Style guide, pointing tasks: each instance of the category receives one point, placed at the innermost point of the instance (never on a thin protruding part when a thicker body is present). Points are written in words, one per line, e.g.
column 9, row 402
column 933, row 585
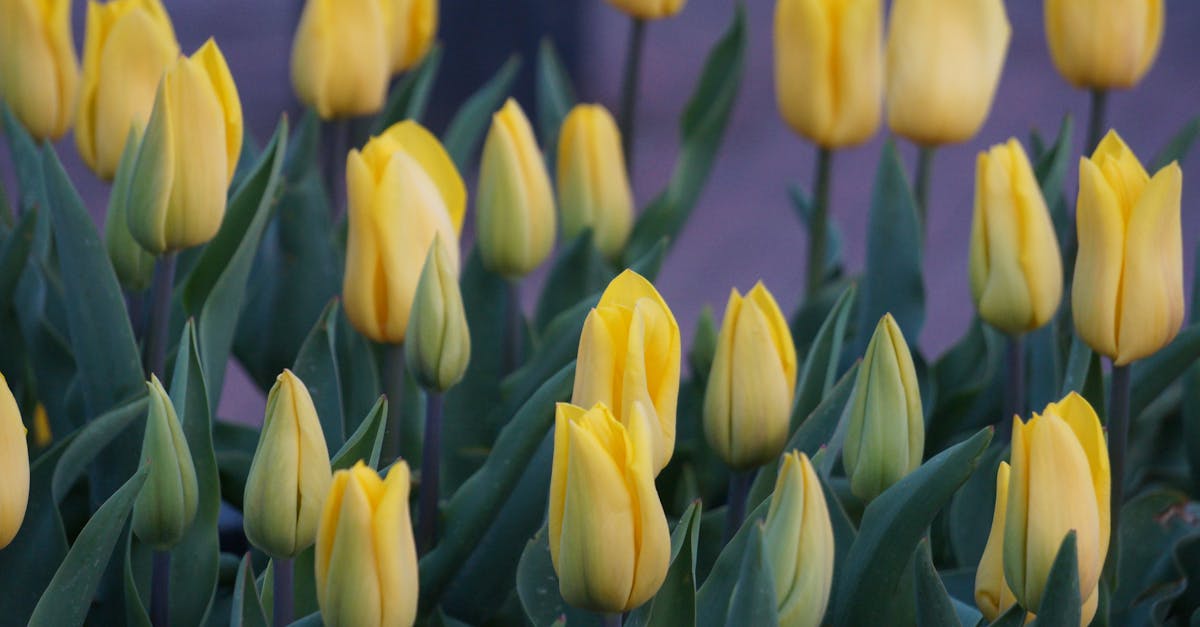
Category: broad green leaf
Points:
column 1152, row 525
column 1060, row 598
column 25, row 160
column 555, row 96
column 812, row 312
column 675, row 601
column 1180, row 145
column 474, row 117
column 963, row 377
column 934, row 606
column 714, row 597
column 821, row 363
column 316, row 365
column 138, row 566
column 91, row 440
column 410, row 96
column 753, row 599
column 247, row 606
column 1152, row 375
column 234, row 445
column 365, row 443
column 1014, row 617
column 358, row 372
column 1078, row 362
column 579, row 270
column 1045, row 366
column 1051, row 166
column 971, row 509
column 14, row 250
column 537, row 587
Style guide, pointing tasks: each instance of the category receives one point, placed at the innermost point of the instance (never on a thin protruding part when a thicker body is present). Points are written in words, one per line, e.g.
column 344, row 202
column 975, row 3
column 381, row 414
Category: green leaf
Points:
column 138, row 566
column 675, row 601
column 753, row 601
column 1153, row 524
column 1014, row 617
column 1152, row 375
column 25, row 160
column 555, row 97
column 821, row 363
column 91, row 440
column 833, row 236
column 1051, row 166
column 715, row 596
column 234, row 445
column 934, row 606
column 69, row 596
column 537, row 587
column 971, row 510
column 360, row 385
column 474, row 117
column 247, row 606
column 1060, row 598
column 963, row 377
column 14, row 250
column 1180, row 145
column 366, row 442
column 891, row 527
column 410, row 96
column 316, row 365
column 1078, row 362
column 579, row 270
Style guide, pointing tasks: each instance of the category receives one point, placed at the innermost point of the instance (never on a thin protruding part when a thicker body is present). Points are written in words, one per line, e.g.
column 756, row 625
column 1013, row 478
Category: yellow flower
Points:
column 748, row 401
column 42, row 436
column 290, row 475
column 829, row 68
column 1104, row 43
column 944, row 59
column 166, row 506
column 366, row 561
column 992, row 594
column 38, row 71
column 340, row 57
column 438, row 349
column 800, row 538
column 14, row 466
column 886, row 438
column 1015, row 267
column 515, row 211
column 410, row 27
column 127, row 47
column 649, row 9
column 1128, row 288
column 593, row 187
column 609, row 540
column 402, row 189
column 629, row 353
column 1059, row 483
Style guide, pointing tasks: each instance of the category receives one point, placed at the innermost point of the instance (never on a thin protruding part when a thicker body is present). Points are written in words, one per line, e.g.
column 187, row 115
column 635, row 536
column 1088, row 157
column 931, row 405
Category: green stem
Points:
column 921, row 191
column 735, row 507
column 155, row 357
column 1015, row 396
column 1118, row 439
column 818, row 228
column 394, row 384
column 430, row 471
column 1097, row 119
column 283, row 592
column 629, row 86
column 160, row 590
column 514, row 322
column 337, row 146
column 611, row 620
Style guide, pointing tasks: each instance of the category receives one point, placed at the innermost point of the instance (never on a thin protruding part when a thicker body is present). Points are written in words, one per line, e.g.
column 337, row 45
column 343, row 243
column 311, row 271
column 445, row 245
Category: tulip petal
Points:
column 351, row 594
column 14, row 464
column 424, row 147
column 1083, row 421
column 213, row 62
column 992, row 594
column 395, row 550
column 652, row 537
column 200, row 182
column 763, row 395
column 1095, row 292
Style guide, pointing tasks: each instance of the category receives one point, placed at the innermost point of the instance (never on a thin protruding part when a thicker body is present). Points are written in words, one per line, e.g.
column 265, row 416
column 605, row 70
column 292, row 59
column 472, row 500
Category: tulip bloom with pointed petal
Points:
column 609, row 540
column 649, row 9
column 1060, row 482
column 992, row 594
column 1128, row 288
column 403, row 189
column 593, row 187
column 166, row 506
column 800, row 537
column 366, row 560
column 438, row 349
column 1015, row 266
column 629, row 353
column 14, row 466
column 38, row 72
column 409, row 26
column 1104, row 44
column 341, row 60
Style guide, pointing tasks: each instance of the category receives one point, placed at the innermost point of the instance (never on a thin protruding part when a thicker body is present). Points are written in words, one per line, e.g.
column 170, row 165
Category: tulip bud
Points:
column 134, row 266
column 800, row 535
column 593, row 187
column 126, row 48
column 403, row 189
column 1103, row 45
column 410, row 27
column 515, row 211
column 1060, row 483
column 38, row 72
column 748, row 400
column 609, row 541
column 1015, row 268
column 290, row 475
column 167, row 504
column 992, row 594
column 886, row 438
column 649, row 9
column 366, row 560
column 340, row 57
column 14, row 466
column 1128, row 287
column 829, row 68
column 629, row 353
column 439, row 344
column 187, row 156
column 944, row 59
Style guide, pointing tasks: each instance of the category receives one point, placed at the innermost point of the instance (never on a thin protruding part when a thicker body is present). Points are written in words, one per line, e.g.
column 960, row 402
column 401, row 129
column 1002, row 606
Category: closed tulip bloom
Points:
column 166, row 506
column 609, row 540
column 14, row 466
column 187, row 156
column 649, row 9
column 1015, row 267
column 800, row 535
column 438, row 349
column 629, row 353
column 340, row 57
column 944, row 59
column 1059, row 483
column 290, row 475
column 403, row 190
column 593, row 187
column 127, row 46
column 1128, row 286
column 515, row 211
column 410, row 27
column 886, row 438
column 366, row 560
column 133, row 265
column 1104, row 44
column 38, row 71
column 992, row 594
column 829, row 68
column 748, row 401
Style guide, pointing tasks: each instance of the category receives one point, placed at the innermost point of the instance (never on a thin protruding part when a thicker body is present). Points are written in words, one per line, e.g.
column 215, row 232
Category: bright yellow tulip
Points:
column 403, row 189
column 649, row 9
column 410, row 26
column 800, row 540
column 340, row 57
column 593, row 186
column 38, row 71
column 1104, row 44
column 438, row 349
column 992, row 594
column 14, row 466
column 166, row 506
column 1128, row 288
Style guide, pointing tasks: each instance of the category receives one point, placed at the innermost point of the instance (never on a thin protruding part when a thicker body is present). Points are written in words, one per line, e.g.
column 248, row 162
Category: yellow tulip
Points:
column 14, row 466
column 829, row 68
column 126, row 48
column 593, row 186
column 366, row 560
column 886, row 438
column 290, row 475
column 992, row 594
column 748, row 401
column 1015, row 267
column 649, row 9
column 1104, row 43
column 609, row 541
column 402, row 189
column 166, row 506
column 187, row 156
column 944, row 59
column 410, row 27
column 438, row 349
column 1128, row 286
column 629, row 353
column 38, row 71
column 340, row 57
column 515, row 211
column 800, row 537
column 1060, row 482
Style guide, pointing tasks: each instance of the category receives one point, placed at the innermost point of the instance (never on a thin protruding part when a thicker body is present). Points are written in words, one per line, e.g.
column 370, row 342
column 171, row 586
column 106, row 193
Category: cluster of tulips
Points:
column 582, row 421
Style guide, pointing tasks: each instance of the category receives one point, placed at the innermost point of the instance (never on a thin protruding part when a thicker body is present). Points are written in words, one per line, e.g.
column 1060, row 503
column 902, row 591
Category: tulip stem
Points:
column 155, row 358
column 1016, row 380
column 514, row 321
column 1118, row 436
column 283, row 592
column 611, row 620
column 629, row 87
column 818, row 227
column 1097, row 118
column 338, row 142
column 735, row 506
column 160, row 587
column 921, row 186
column 430, row 471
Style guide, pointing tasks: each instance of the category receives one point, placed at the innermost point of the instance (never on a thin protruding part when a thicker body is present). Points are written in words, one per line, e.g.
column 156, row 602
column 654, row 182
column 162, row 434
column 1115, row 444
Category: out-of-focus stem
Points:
column 818, row 228
column 629, row 87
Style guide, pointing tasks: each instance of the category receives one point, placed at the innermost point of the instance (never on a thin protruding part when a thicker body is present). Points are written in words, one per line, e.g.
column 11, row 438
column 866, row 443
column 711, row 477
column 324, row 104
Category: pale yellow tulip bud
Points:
column 438, row 346
column 515, row 211
column 992, row 594
column 166, row 506
column 800, row 540
column 649, row 9
column 410, row 26
column 38, row 71
column 133, row 264
column 593, row 186
column 1104, row 44
column 14, row 466
column 340, row 57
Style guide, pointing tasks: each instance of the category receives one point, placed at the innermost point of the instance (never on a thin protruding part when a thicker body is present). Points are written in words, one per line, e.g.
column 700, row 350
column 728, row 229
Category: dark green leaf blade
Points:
column 475, row 115
column 675, row 601
column 410, row 96
column 317, row 366
column 367, row 441
column 1060, row 599
column 247, row 608
column 933, row 603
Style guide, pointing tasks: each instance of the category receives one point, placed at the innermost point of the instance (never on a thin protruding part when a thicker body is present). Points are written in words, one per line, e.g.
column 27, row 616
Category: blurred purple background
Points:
column 743, row 228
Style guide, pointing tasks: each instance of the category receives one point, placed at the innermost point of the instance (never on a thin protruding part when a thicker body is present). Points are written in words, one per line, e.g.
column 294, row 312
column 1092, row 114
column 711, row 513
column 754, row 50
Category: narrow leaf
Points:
column 1060, row 599
column 366, row 442
column 474, row 117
